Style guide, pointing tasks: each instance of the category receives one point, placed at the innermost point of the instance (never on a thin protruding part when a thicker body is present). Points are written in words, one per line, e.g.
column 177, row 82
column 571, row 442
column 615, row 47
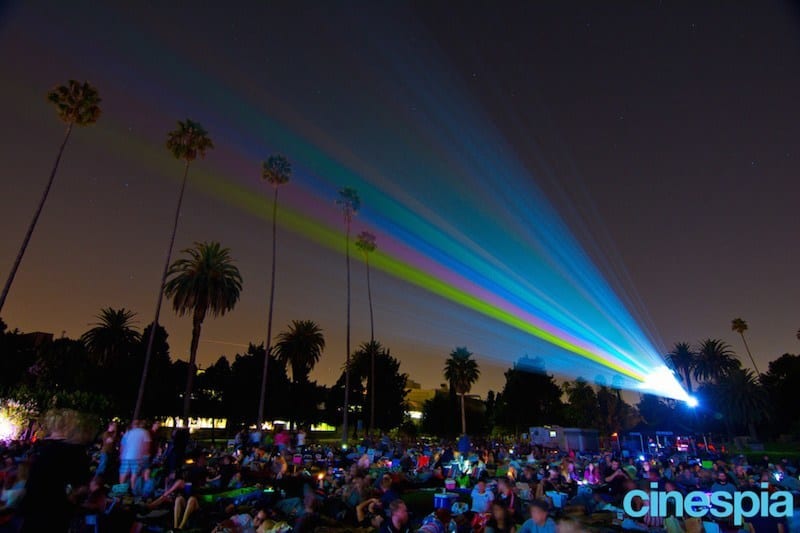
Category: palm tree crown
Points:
column 189, row 141
column 738, row 325
column 365, row 241
column 112, row 335
column 349, row 202
column 300, row 348
column 76, row 103
column 205, row 281
column 683, row 359
column 715, row 360
column 461, row 370
column 276, row 170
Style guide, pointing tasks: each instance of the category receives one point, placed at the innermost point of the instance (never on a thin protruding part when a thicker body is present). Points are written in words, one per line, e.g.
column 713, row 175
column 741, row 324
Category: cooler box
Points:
column 559, row 498
column 450, row 484
column 444, row 500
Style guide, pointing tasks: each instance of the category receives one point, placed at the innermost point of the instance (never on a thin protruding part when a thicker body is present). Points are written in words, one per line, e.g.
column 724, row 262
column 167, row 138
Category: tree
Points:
column 366, row 243
column 211, row 386
column 683, row 360
column 390, row 384
column 462, row 371
column 740, row 326
column 530, row 397
column 349, row 202
column 781, row 383
column 581, row 409
column 205, row 282
column 161, row 395
column 188, row 142
column 742, row 399
column 615, row 415
column 77, row 104
column 276, row 171
column 300, row 348
column 655, row 411
column 240, row 405
column 715, row 360
column 112, row 336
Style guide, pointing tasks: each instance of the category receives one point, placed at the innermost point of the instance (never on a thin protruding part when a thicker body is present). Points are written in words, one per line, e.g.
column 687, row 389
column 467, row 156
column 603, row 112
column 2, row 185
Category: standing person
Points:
column 133, row 455
column 155, row 441
column 59, row 471
column 464, row 445
column 301, row 440
column 282, row 440
column 108, row 449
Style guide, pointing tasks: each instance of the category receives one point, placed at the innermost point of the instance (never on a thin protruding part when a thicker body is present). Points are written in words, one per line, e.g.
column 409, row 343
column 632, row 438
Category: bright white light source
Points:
column 662, row 382
column 8, row 430
column 691, row 401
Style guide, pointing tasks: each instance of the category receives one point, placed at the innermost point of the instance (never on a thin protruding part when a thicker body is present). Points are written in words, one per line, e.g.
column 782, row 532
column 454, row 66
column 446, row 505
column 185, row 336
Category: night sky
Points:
column 664, row 133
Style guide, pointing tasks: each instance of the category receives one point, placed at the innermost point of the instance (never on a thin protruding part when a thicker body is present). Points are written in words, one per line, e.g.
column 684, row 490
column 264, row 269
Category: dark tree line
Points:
column 98, row 373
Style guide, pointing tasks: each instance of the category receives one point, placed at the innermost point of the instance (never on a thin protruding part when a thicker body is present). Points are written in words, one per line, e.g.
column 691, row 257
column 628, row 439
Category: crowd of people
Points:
column 148, row 478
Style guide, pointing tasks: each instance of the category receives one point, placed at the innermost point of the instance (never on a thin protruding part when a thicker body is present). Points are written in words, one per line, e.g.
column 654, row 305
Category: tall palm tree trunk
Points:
column 197, row 324
column 372, row 354
column 347, row 342
column 148, row 353
column 27, row 239
column 688, row 381
column 463, row 416
column 746, row 347
column 268, row 342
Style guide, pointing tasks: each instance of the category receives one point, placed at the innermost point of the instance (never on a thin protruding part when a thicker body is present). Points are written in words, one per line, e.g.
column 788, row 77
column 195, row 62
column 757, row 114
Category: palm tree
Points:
column 187, row 142
column 365, row 241
column 349, row 202
column 683, row 359
column 77, row 104
column 299, row 348
column 112, row 336
column 715, row 360
column 276, row 171
column 740, row 326
column 462, row 372
column 205, row 281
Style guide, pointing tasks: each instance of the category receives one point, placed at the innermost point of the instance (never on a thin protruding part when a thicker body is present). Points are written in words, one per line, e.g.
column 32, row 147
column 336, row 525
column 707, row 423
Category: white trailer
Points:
column 564, row 439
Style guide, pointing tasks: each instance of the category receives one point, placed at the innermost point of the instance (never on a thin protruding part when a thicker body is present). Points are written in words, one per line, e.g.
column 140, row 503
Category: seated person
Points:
column 369, row 514
column 506, row 497
column 500, row 521
column 242, row 523
column 481, row 498
column 539, row 521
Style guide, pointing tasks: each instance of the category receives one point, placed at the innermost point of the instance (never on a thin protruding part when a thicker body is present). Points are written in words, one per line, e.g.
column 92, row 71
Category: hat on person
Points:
column 459, row 508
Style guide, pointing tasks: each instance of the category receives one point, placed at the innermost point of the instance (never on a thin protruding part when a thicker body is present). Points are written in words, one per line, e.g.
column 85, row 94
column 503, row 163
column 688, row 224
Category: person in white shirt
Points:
column 133, row 453
column 481, row 498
